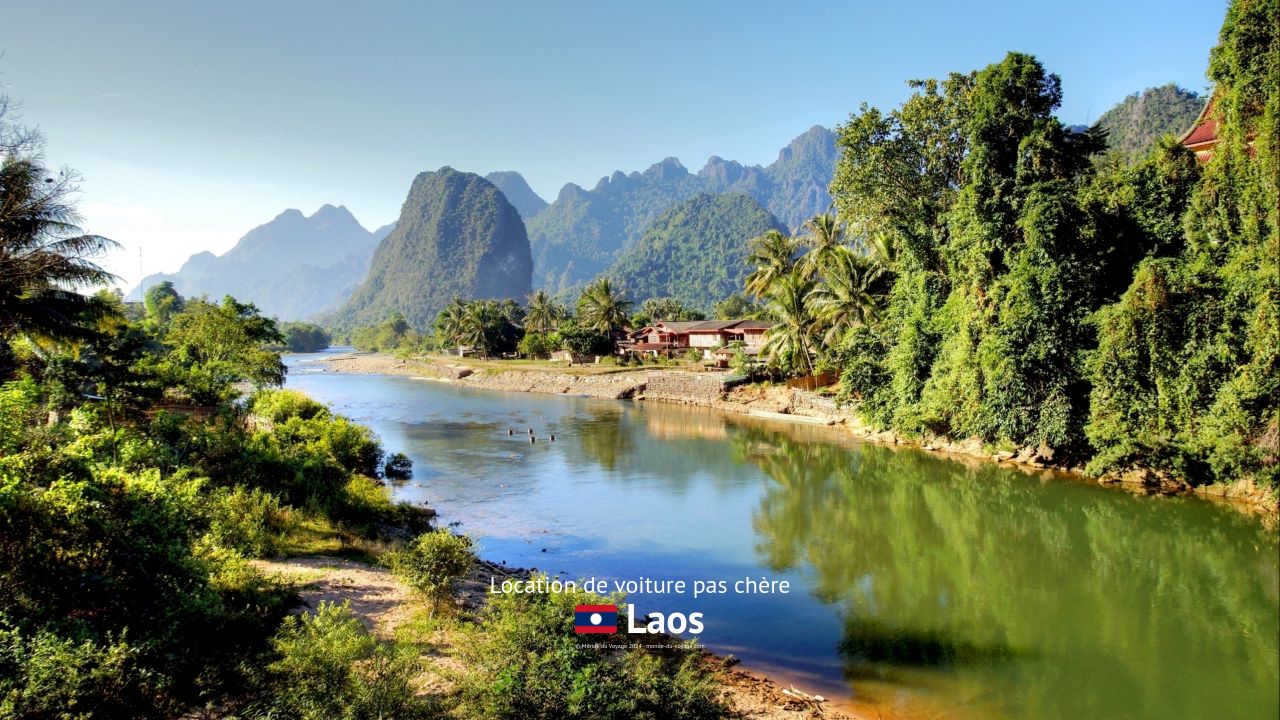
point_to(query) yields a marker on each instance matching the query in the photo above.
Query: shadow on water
(866, 645)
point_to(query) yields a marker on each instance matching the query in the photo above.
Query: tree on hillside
(773, 256)
(602, 307)
(44, 255)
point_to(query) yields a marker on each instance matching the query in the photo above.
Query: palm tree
(847, 297)
(45, 257)
(792, 333)
(773, 255)
(543, 313)
(823, 235)
(450, 320)
(481, 325)
(602, 307)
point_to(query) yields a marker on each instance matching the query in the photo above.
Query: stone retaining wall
(617, 386)
(688, 388)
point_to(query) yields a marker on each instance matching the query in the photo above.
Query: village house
(710, 337)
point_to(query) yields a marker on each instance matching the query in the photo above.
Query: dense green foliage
(330, 667)
(123, 530)
(527, 663)
(457, 236)
(693, 252)
(584, 231)
(1137, 122)
(1125, 315)
(300, 337)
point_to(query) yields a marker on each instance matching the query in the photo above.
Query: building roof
(649, 346)
(1204, 132)
(712, 326)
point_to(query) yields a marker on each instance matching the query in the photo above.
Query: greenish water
(920, 585)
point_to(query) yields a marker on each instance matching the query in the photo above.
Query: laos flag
(595, 619)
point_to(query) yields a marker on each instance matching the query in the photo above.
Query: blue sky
(192, 123)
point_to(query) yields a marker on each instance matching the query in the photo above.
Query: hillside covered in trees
(1135, 124)
(694, 251)
(583, 231)
(457, 236)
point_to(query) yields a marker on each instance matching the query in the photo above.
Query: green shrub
(525, 662)
(433, 562)
(43, 675)
(398, 466)
(330, 667)
(250, 521)
(280, 405)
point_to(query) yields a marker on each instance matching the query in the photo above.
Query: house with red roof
(710, 337)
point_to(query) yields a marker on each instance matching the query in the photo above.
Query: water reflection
(1068, 602)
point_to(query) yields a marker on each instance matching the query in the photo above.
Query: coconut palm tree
(847, 296)
(543, 313)
(450, 321)
(45, 257)
(602, 307)
(823, 235)
(792, 334)
(773, 255)
(482, 324)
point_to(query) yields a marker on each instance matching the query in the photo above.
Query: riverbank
(389, 609)
(707, 389)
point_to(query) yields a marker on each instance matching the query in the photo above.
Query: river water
(919, 586)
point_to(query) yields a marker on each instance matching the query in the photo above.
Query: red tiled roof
(1205, 129)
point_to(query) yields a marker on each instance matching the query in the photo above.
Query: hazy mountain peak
(512, 184)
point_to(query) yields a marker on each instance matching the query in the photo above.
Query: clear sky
(193, 122)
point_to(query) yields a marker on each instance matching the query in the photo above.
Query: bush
(398, 466)
(433, 562)
(526, 662)
(331, 667)
(250, 521)
(536, 345)
(44, 675)
(280, 405)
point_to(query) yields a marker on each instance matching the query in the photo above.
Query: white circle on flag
(596, 618)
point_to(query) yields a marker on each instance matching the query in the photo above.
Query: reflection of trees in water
(1103, 602)
(667, 444)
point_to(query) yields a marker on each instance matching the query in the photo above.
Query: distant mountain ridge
(583, 231)
(293, 267)
(457, 235)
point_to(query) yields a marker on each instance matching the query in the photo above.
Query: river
(919, 586)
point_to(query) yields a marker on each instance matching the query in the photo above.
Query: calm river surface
(920, 585)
